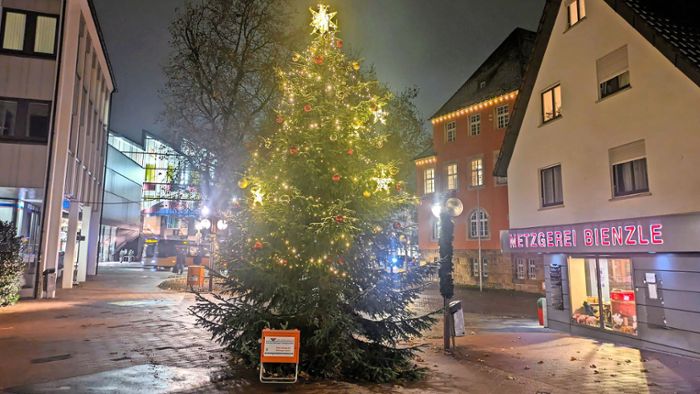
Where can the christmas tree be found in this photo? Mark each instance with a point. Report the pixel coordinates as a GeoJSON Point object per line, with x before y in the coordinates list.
{"type": "Point", "coordinates": [312, 237]}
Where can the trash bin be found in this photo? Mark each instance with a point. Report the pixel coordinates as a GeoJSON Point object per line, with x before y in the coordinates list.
{"type": "Point", "coordinates": [457, 318]}
{"type": "Point", "coordinates": [49, 282]}
{"type": "Point", "coordinates": [542, 311]}
{"type": "Point", "coordinates": [195, 276]}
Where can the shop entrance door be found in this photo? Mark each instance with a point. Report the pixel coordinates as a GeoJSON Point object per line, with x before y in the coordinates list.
{"type": "Point", "coordinates": [602, 293]}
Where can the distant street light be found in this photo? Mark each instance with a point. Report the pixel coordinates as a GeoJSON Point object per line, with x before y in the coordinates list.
{"type": "Point", "coordinates": [205, 211]}
{"type": "Point", "coordinates": [221, 225]}
{"type": "Point", "coordinates": [205, 223]}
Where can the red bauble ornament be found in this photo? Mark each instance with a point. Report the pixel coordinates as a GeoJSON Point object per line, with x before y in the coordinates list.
{"type": "Point", "coordinates": [350, 151]}
{"type": "Point", "coordinates": [341, 260]}
{"type": "Point", "coordinates": [283, 261]}
{"type": "Point", "coordinates": [336, 178]}
{"type": "Point", "coordinates": [339, 43]}
{"type": "Point", "coordinates": [340, 219]}
{"type": "Point", "coordinates": [398, 186]}
{"type": "Point", "coordinates": [279, 119]}
{"type": "Point", "coordinates": [258, 245]}
{"type": "Point", "coordinates": [307, 108]}
{"type": "Point", "coordinates": [318, 59]}
{"type": "Point", "coordinates": [397, 225]}
{"type": "Point", "coordinates": [293, 150]}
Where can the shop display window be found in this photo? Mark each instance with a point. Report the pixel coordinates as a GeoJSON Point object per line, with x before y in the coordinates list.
{"type": "Point", "coordinates": [602, 294]}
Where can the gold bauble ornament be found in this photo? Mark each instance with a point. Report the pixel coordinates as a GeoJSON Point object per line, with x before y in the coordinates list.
{"type": "Point", "coordinates": [356, 66]}
{"type": "Point", "coordinates": [366, 194]}
{"type": "Point", "coordinates": [243, 183]}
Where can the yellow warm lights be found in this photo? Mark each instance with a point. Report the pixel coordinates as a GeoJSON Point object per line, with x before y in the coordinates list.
{"type": "Point", "coordinates": [426, 160]}
{"type": "Point", "coordinates": [473, 107]}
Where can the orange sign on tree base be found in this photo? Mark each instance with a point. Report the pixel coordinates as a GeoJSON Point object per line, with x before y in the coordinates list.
{"type": "Point", "coordinates": [279, 347]}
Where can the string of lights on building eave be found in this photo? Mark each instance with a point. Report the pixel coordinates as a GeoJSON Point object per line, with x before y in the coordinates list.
{"type": "Point", "coordinates": [475, 107]}
{"type": "Point", "coordinates": [426, 160]}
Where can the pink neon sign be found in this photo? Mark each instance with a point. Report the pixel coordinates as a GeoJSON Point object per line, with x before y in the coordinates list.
{"type": "Point", "coordinates": [599, 236]}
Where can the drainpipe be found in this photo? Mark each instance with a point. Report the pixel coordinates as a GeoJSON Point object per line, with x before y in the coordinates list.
{"type": "Point", "coordinates": [41, 262]}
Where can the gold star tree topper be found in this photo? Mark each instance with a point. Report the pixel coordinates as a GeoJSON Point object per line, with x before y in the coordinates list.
{"type": "Point", "coordinates": [322, 20]}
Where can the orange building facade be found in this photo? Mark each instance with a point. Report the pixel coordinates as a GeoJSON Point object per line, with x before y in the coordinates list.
{"type": "Point", "coordinates": [467, 134]}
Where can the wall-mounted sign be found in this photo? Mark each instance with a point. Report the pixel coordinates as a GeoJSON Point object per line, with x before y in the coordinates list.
{"type": "Point", "coordinates": [658, 234]}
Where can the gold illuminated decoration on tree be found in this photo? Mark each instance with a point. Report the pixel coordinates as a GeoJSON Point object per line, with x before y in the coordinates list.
{"type": "Point", "coordinates": [322, 20]}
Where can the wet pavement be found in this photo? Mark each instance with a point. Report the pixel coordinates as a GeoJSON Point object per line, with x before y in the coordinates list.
{"type": "Point", "coordinates": [119, 333]}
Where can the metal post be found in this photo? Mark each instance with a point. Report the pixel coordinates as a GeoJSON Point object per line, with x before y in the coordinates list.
{"type": "Point", "coordinates": [211, 261]}
{"type": "Point", "coordinates": [478, 233]}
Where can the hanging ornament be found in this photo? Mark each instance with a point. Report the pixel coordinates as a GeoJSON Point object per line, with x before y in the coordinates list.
{"type": "Point", "coordinates": [333, 137]}
{"type": "Point", "coordinates": [398, 186]}
{"type": "Point", "coordinates": [397, 225]}
{"type": "Point", "coordinates": [366, 194]}
{"type": "Point", "coordinates": [296, 57]}
{"type": "Point", "coordinates": [307, 108]}
{"type": "Point", "coordinates": [379, 115]}
{"type": "Point", "coordinates": [257, 196]}
{"type": "Point", "coordinates": [293, 150]}
{"type": "Point", "coordinates": [336, 178]}
{"type": "Point", "coordinates": [377, 229]}
{"type": "Point", "coordinates": [257, 245]}
{"type": "Point", "coordinates": [283, 261]}
{"type": "Point", "coordinates": [318, 59]}
{"type": "Point", "coordinates": [341, 260]}
{"type": "Point", "coordinates": [350, 152]}
{"type": "Point", "coordinates": [382, 183]}
{"type": "Point", "coordinates": [279, 119]}
{"type": "Point", "coordinates": [338, 43]}
{"type": "Point", "coordinates": [339, 219]}
{"type": "Point", "coordinates": [243, 183]}
{"type": "Point", "coordinates": [356, 66]}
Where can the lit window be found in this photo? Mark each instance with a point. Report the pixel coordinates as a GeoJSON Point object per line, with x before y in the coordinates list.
{"type": "Point", "coordinates": [551, 187]}
{"type": "Point", "coordinates": [502, 116]}
{"type": "Point", "coordinates": [13, 34]}
{"type": "Point", "coordinates": [477, 172]}
{"type": "Point", "coordinates": [475, 124]}
{"type": "Point", "coordinates": [451, 131]}
{"type": "Point", "coordinates": [551, 104]}
{"type": "Point", "coordinates": [629, 169]}
{"type": "Point", "coordinates": [478, 224]}
{"type": "Point", "coordinates": [429, 181]}
{"type": "Point", "coordinates": [577, 11]}
{"type": "Point", "coordinates": [531, 269]}
{"type": "Point", "coordinates": [452, 177]}
{"type": "Point", "coordinates": [29, 32]}
{"type": "Point", "coordinates": [45, 37]}
{"type": "Point", "coordinates": [520, 268]}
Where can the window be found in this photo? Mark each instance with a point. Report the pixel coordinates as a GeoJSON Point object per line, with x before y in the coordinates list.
{"type": "Point", "coordinates": [29, 32]}
{"type": "Point", "coordinates": [520, 268]}
{"type": "Point", "coordinates": [450, 131]}
{"type": "Point", "coordinates": [502, 116]}
{"type": "Point", "coordinates": [629, 169]}
{"type": "Point", "coordinates": [436, 230]}
{"type": "Point", "coordinates": [477, 172]}
{"type": "Point", "coordinates": [475, 124]}
{"type": "Point", "coordinates": [551, 104]}
{"type": "Point", "coordinates": [429, 180]}
{"type": "Point", "coordinates": [613, 72]}
{"type": "Point", "coordinates": [452, 176]}
{"type": "Point", "coordinates": [615, 84]}
{"type": "Point", "coordinates": [531, 269]}
{"type": "Point", "coordinates": [499, 180]}
{"type": "Point", "coordinates": [602, 294]}
{"type": "Point", "coordinates": [474, 262]}
{"type": "Point", "coordinates": [577, 11]}
{"type": "Point", "coordinates": [551, 187]}
{"type": "Point", "coordinates": [24, 120]}
{"type": "Point", "coordinates": [478, 224]}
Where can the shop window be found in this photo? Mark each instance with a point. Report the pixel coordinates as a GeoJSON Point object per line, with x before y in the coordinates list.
{"type": "Point", "coordinates": [475, 124]}
{"type": "Point", "coordinates": [551, 186]}
{"type": "Point", "coordinates": [602, 294]}
{"type": "Point", "coordinates": [576, 11]}
{"type": "Point", "coordinates": [613, 72]}
{"type": "Point", "coordinates": [450, 131]}
{"type": "Point", "coordinates": [531, 269]}
{"type": "Point", "coordinates": [551, 104]}
{"type": "Point", "coordinates": [520, 268]}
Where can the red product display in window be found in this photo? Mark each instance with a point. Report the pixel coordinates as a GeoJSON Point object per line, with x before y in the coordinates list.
{"type": "Point", "coordinates": [622, 302]}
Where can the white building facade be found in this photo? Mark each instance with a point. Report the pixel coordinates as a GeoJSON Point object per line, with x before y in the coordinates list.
{"type": "Point", "coordinates": [602, 160]}
{"type": "Point", "coordinates": [55, 88]}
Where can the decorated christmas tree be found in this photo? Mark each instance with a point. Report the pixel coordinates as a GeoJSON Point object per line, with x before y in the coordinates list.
{"type": "Point", "coordinates": [312, 238]}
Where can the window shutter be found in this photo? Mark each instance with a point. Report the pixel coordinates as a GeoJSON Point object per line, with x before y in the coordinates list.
{"type": "Point", "coordinates": [612, 64]}
{"type": "Point", "coordinates": [627, 152]}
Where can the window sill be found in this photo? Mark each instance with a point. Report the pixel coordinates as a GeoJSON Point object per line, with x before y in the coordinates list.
{"type": "Point", "coordinates": [476, 187]}
{"type": "Point", "coordinates": [543, 123]}
{"type": "Point", "coordinates": [547, 208]}
{"type": "Point", "coordinates": [628, 196]}
{"type": "Point", "coordinates": [476, 239]}
{"type": "Point", "coordinates": [626, 88]}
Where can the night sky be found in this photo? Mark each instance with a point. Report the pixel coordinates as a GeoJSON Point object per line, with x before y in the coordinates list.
{"type": "Point", "coordinates": [432, 44]}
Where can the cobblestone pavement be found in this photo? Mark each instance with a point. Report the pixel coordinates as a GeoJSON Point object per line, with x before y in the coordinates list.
{"type": "Point", "coordinates": [119, 333]}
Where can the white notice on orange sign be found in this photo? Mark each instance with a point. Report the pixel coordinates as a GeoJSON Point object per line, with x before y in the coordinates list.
{"type": "Point", "coordinates": [279, 346]}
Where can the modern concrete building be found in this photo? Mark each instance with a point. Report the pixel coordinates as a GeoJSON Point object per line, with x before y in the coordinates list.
{"type": "Point", "coordinates": [120, 229]}
{"type": "Point", "coordinates": [467, 134]}
{"type": "Point", "coordinates": [602, 158]}
{"type": "Point", "coordinates": [55, 87]}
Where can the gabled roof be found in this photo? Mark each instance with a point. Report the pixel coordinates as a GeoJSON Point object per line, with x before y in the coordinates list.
{"type": "Point", "coordinates": [502, 72]}
{"type": "Point", "coordinates": [669, 25]}
{"type": "Point", "coordinates": [429, 152]}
